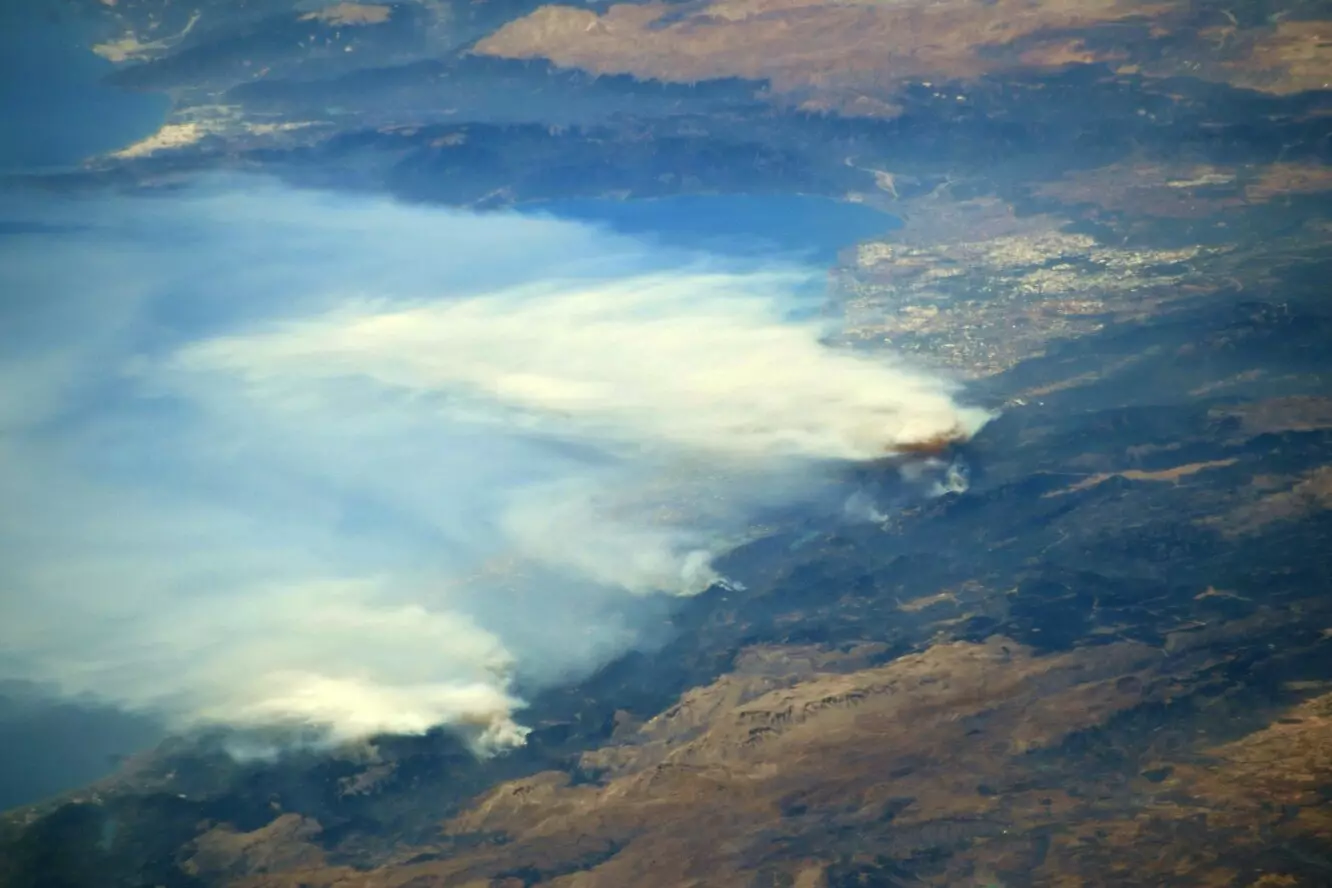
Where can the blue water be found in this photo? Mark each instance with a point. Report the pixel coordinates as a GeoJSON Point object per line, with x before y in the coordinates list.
{"type": "Point", "coordinates": [56, 109]}
{"type": "Point", "coordinates": [799, 227]}
{"type": "Point", "coordinates": [48, 747]}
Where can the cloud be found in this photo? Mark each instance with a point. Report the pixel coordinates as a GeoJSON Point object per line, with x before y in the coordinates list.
{"type": "Point", "coordinates": [290, 459]}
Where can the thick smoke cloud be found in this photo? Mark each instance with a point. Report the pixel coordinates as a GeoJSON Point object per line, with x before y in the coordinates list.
{"type": "Point", "coordinates": [286, 459]}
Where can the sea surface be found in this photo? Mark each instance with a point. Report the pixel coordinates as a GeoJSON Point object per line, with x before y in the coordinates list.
{"type": "Point", "coordinates": [794, 226]}
{"type": "Point", "coordinates": [56, 106]}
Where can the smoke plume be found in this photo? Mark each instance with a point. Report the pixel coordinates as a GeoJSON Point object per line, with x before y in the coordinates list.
{"type": "Point", "coordinates": [285, 459]}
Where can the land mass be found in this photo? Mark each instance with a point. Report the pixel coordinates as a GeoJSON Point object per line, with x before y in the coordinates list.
{"type": "Point", "coordinates": [1107, 662]}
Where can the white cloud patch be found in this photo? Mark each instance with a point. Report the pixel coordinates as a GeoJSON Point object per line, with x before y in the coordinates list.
{"type": "Point", "coordinates": [289, 459]}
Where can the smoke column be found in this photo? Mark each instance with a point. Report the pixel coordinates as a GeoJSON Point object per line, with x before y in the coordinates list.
{"type": "Point", "coordinates": [285, 459]}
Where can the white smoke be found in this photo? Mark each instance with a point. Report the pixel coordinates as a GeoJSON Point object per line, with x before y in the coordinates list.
{"type": "Point", "coordinates": [286, 459]}
{"type": "Point", "coordinates": [700, 363]}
